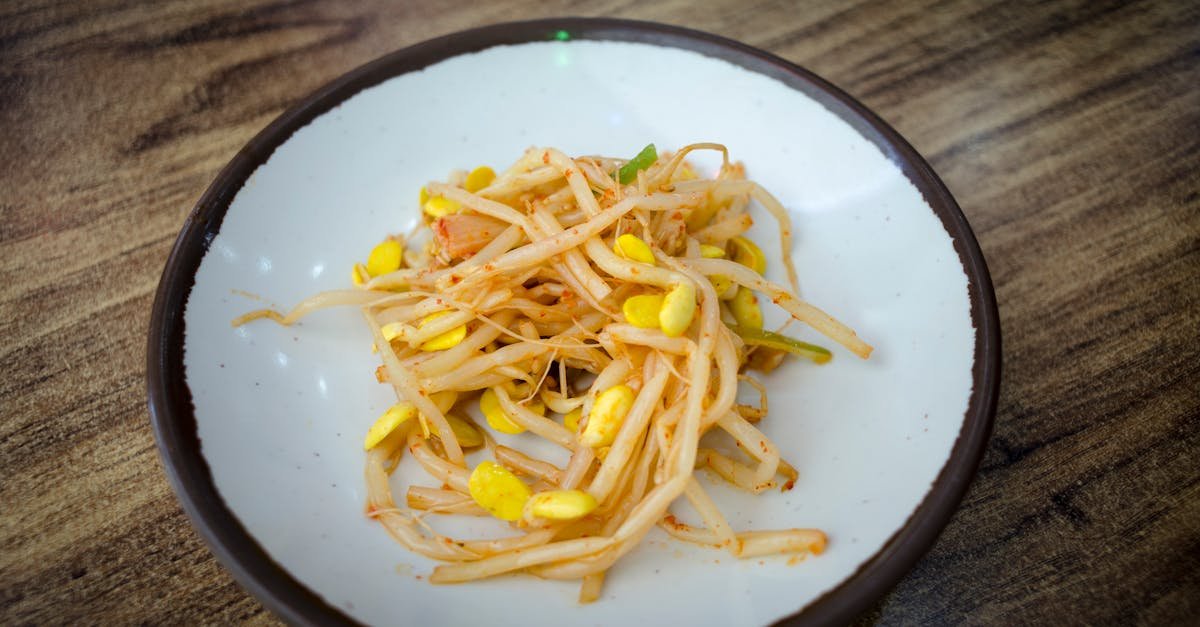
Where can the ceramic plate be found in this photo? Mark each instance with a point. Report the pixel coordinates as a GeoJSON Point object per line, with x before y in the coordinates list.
{"type": "Point", "coordinates": [260, 427]}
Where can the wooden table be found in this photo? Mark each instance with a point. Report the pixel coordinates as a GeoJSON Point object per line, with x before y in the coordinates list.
{"type": "Point", "coordinates": [1069, 132]}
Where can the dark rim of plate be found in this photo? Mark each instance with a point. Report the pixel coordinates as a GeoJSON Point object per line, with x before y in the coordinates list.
{"type": "Point", "coordinates": [170, 401]}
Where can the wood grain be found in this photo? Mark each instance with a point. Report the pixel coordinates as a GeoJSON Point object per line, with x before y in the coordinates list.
{"type": "Point", "coordinates": [1068, 131]}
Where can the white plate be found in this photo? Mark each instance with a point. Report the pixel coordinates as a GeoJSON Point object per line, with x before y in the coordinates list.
{"type": "Point", "coordinates": [267, 456]}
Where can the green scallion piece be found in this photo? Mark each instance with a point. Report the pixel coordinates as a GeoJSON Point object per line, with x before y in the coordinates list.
{"type": "Point", "coordinates": [644, 159]}
{"type": "Point", "coordinates": [758, 337]}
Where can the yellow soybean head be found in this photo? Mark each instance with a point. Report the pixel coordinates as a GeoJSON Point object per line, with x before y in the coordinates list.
{"type": "Point", "coordinates": [479, 178]}
{"type": "Point", "coordinates": [446, 340]}
{"type": "Point", "coordinates": [709, 251]}
{"type": "Point", "coordinates": [560, 505]}
{"type": "Point", "coordinates": [440, 206]}
{"type": "Point", "coordinates": [489, 405]}
{"type": "Point", "coordinates": [678, 309]}
{"type": "Point", "coordinates": [392, 330]}
{"type": "Point", "coordinates": [517, 389]}
{"type": "Point", "coordinates": [395, 416]}
{"type": "Point", "coordinates": [466, 433]}
{"type": "Point", "coordinates": [497, 418]}
{"type": "Point", "coordinates": [745, 309]}
{"type": "Point", "coordinates": [700, 217]}
{"type": "Point", "coordinates": [608, 412]}
{"type": "Point", "coordinates": [359, 274]}
{"type": "Point", "coordinates": [385, 258]}
{"type": "Point", "coordinates": [642, 311]}
{"type": "Point", "coordinates": [571, 419]}
{"type": "Point", "coordinates": [748, 254]}
{"type": "Point", "coordinates": [722, 284]}
{"type": "Point", "coordinates": [632, 247]}
{"type": "Point", "coordinates": [498, 490]}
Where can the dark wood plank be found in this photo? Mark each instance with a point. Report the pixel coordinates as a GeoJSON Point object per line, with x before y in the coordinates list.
{"type": "Point", "coordinates": [1069, 132]}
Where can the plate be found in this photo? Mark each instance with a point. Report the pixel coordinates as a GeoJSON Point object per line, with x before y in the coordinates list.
{"type": "Point", "coordinates": [260, 427]}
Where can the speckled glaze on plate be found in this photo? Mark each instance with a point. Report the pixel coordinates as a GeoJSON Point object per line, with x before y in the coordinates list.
{"type": "Point", "coordinates": [260, 427]}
